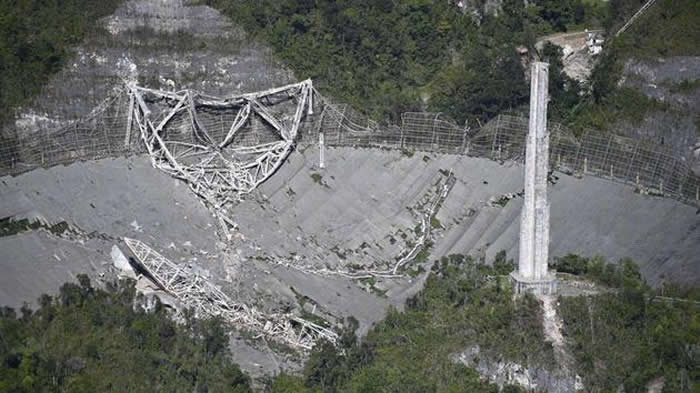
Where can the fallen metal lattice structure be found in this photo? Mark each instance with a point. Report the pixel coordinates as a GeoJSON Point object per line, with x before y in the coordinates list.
{"type": "Point", "coordinates": [199, 294]}
{"type": "Point", "coordinates": [425, 223]}
{"type": "Point", "coordinates": [184, 135]}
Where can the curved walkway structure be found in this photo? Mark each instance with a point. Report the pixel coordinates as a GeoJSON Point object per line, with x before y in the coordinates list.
{"type": "Point", "coordinates": [197, 293]}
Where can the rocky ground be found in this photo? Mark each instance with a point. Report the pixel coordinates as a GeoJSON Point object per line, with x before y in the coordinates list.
{"type": "Point", "coordinates": [673, 81]}
{"type": "Point", "coordinates": [577, 60]}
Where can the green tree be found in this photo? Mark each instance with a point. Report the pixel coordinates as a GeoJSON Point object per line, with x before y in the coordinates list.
{"type": "Point", "coordinates": [91, 340]}
{"type": "Point", "coordinates": [564, 91]}
{"type": "Point", "coordinates": [35, 40]}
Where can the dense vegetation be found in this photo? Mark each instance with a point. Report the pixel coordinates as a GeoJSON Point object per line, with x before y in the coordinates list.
{"type": "Point", "coordinates": [388, 57]}
{"type": "Point", "coordinates": [669, 28]}
{"type": "Point", "coordinates": [629, 337]}
{"type": "Point", "coordinates": [464, 302]}
{"type": "Point", "coordinates": [92, 340]}
{"type": "Point", "coordinates": [393, 56]}
{"type": "Point", "coordinates": [385, 58]}
{"type": "Point", "coordinates": [35, 40]}
{"type": "Point", "coordinates": [621, 338]}
{"type": "Point", "coordinates": [86, 339]}
{"type": "Point", "coordinates": [626, 340]}
{"type": "Point", "coordinates": [624, 274]}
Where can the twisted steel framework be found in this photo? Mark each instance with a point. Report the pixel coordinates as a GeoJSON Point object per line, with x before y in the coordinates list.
{"type": "Point", "coordinates": [199, 294]}
{"type": "Point", "coordinates": [218, 166]}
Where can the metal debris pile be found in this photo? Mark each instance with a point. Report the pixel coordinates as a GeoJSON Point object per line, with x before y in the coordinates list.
{"type": "Point", "coordinates": [222, 147]}
{"type": "Point", "coordinates": [206, 300]}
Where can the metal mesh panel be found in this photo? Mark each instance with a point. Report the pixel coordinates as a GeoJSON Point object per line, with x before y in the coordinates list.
{"type": "Point", "coordinates": [430, 132]}
{"type": "Point", "coordinates": [101, 134]}
{"type": "Point", "coordinates": [649, 167]}
{"type": "Point", "coordinates": [106, 132]}
{"type": "Point", "coordinates": [563, 148]}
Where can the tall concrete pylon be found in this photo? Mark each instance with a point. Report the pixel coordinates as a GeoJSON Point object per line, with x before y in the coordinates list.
{"type": "Point", "coordinates": [532, 274]}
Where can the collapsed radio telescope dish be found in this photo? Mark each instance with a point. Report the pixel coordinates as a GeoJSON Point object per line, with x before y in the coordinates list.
{"type": "Point", "coordinates": [222, 147]}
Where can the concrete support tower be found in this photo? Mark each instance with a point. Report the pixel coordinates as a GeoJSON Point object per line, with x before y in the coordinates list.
{"type": "Point", "coordinates": [532, 274]}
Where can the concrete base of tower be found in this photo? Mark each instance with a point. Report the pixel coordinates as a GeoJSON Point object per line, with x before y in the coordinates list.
{"type": "Point", "coordinates": [543, 286]}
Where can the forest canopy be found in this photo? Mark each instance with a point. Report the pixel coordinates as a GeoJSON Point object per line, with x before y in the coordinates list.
{"type": "Point", "coordinates": [36, 39]}
{"type": "Point", "coordinates": [389, 57]}
{"type": "Point", "coordinates": [87, 339]}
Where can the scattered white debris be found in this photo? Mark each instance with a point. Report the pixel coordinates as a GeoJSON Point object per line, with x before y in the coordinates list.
{"type": "Point", "coordinates": [32, 121]}
{"type": "Point", "coordinates": [136, 226]}
{"type": "Point", "coordinates": [594, 42]}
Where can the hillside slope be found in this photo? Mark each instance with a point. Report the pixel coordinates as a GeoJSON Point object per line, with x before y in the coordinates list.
{"type": "Point", "coordinates": [361, 212]}
{"type": "Point", "coordinates": [170, 45]}
{"type": "Point", "coordinates": [646, 85]}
